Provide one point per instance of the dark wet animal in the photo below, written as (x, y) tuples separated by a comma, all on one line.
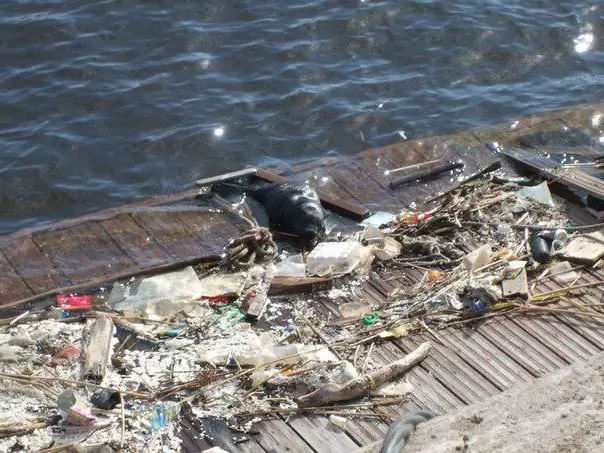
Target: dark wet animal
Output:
[(292, 209), (400, 430)]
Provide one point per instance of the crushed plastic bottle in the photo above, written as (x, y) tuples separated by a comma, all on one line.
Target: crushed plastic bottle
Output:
[(163, 413), (334, 258), (292, 266), (160, 296)]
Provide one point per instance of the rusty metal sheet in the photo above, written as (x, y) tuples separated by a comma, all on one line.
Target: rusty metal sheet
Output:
[(12, 286), (84, 252), (33, 266)]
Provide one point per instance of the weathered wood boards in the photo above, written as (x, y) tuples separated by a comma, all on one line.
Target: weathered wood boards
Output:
[(574, 178)]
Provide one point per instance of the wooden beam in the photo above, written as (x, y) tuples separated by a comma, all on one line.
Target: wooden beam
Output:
[(97, 343)]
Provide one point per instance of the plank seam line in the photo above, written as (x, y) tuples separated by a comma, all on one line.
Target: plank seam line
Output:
[(54, 263), (17, 273), (532, 372), (437, 379), (118, 246)]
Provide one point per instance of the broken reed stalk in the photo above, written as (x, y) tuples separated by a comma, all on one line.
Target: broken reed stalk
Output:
[(9, 430), (31, 379), (363, 385), (293, 410), (558, 292), (566, 311), (318, 333)]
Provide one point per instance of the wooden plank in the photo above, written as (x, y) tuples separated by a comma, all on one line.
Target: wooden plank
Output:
[(172, 235), (573, 178), (431, 392), (486, 368), (320, 436), (468, 385), (83, 251), (588, 329), (424, 173), (214, 229), (276, 436), (33, 266), (134, 240), (508, 369), (97, 344), (541, 352), (508, 131), (516, 349), (362, 187), (12, 286), (562, 340)]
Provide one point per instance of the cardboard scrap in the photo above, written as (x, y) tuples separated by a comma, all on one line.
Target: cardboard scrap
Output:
[(478, 258), (587, 248)]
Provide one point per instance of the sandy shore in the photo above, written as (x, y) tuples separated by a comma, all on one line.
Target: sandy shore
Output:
[(561, 412)]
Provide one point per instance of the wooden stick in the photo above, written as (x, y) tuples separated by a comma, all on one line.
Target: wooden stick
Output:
[(425, 173), (486, 170), (396, 170), (97, 341), (318, 333), (556, 292), (363, 385)]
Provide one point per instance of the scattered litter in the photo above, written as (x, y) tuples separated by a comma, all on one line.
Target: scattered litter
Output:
[(292, 266), (208, 341), (66, 355), (339, 421), (105, 399), (73, 410)]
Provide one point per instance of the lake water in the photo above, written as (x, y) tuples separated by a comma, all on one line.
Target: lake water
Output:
[(112, 101)]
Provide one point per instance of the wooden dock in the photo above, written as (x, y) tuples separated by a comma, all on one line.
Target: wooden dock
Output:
[(466, 365)]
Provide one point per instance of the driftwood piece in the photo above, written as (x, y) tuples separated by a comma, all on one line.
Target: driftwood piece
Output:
[(291, 285), (423, 173), (363, 385), (97, 343)]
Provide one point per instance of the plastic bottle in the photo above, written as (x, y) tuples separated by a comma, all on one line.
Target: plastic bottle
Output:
[(541, 250)]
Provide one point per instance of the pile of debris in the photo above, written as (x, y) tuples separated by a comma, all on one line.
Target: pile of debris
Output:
[(243, 339)]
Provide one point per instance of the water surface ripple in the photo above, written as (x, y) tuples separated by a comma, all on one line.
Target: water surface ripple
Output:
[(111, 101)]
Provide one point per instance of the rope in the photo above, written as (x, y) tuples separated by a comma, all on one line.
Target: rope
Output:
[(594, 226)]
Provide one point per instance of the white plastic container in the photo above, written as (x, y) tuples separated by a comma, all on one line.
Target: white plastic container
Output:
[(334, 258)]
